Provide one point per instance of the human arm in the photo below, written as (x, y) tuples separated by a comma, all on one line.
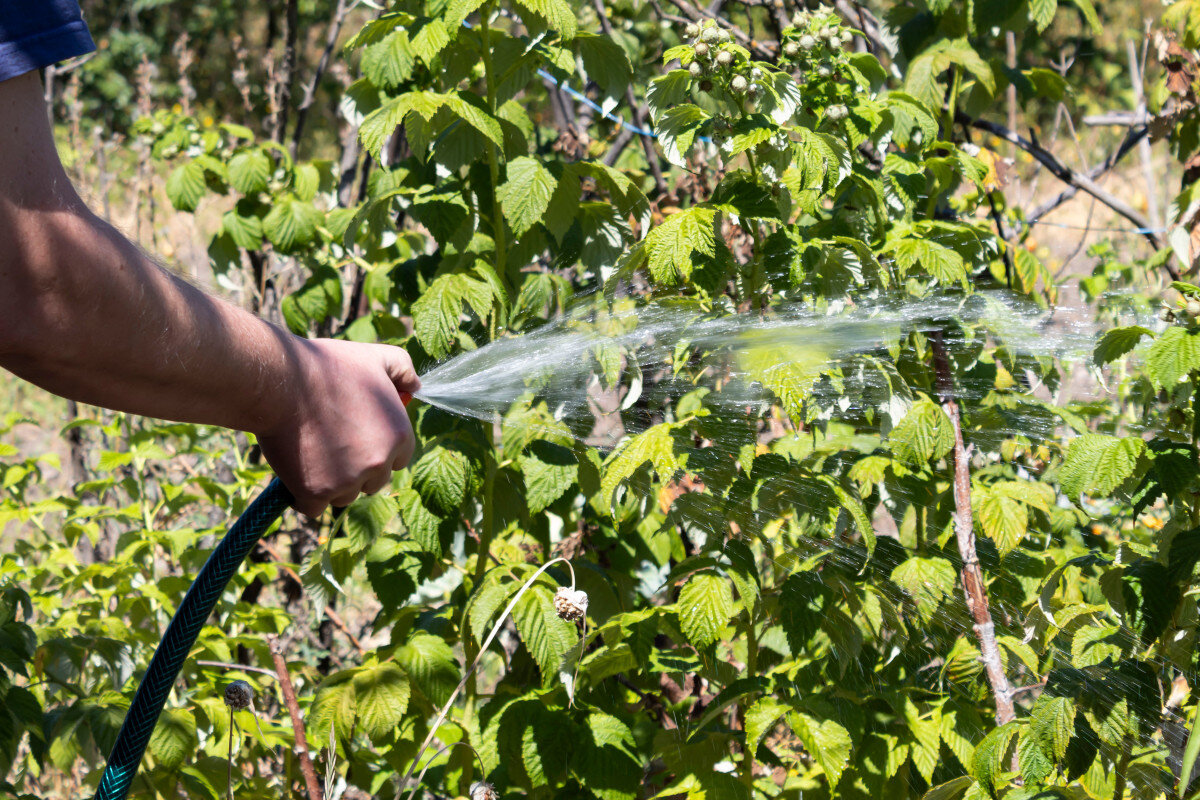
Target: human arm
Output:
[(85, 314)]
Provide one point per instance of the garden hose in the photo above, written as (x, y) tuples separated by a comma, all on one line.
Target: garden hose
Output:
[(181, 634)]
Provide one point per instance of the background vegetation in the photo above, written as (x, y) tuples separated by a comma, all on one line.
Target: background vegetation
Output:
[(975, 580)]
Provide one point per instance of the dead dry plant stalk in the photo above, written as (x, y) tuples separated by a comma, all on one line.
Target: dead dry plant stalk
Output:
[(311, 784), (441, 717), (974, 588)]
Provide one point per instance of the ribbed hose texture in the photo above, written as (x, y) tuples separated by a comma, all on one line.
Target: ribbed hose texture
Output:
[(181, 634)]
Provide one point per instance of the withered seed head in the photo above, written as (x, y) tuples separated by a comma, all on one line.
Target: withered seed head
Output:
[(239, 695), (482, 790), (570, 605)]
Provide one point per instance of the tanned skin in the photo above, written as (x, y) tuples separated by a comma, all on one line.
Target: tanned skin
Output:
[(85, 314)]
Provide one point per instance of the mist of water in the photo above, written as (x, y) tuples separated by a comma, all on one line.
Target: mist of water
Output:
[(563, 362)]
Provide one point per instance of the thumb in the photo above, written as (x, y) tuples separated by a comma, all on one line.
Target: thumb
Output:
[(399, 368)]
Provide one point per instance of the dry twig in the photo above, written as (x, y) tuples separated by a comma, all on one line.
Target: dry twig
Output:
[(293, 707), (974, 588)]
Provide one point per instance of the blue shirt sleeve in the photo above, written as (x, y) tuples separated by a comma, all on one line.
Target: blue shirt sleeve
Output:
[(38, 33)]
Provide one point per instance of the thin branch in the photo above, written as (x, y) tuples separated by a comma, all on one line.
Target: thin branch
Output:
[(1073, 178), (288, 70), (344, 7), (1134, 136), (239, 667), (639, 112), (293, 707), (694, 14), (1124, 119), (334, 617), (974, 588)]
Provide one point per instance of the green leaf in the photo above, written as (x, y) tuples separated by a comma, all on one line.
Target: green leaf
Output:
[(1041, 13), (525, 196), (761, 718), (655, 445), (557, 14), (925, 434), (388, 63), (314, 302), (291, 224), (249, 171), (606, 63), (667, 90), (442, 476), (366, 517), (431, 665), (928, 581), (381, 698), (991, 756), (740, 194), (246, 232), (428, 38), (826, 740), (1116, 342), (1096, 464), (705, 605), (677, 129), (549, 470), (174, 738), (186, 186), (669, 246), (1172, 356), (333, 707), (436, 315), (1002, 518), (941, 263), (422, 523), (547, 637), (950, 790), (1089, 15)]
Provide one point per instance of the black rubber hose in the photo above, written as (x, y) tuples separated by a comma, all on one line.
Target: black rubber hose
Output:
[(181, 634)]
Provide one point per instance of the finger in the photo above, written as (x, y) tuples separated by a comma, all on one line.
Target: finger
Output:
[(377, 481), (404, 450), (344, 499), (310, 506), (400, 368)]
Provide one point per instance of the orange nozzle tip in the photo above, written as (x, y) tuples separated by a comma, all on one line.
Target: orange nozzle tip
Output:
[(405, 398)]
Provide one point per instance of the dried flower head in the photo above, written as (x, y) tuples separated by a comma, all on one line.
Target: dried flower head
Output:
[(701, 49), (570, 605), (239, 695), (482, 790), (724, 58)]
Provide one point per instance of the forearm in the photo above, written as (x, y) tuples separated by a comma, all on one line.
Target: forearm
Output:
[(86, 315)]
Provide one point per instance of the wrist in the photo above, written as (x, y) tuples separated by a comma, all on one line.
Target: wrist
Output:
[(284, 385)]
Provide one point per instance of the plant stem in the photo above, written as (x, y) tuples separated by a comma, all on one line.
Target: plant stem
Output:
[(921, 522), (493, 156), (974, 588), (751, 670), (289, 699)]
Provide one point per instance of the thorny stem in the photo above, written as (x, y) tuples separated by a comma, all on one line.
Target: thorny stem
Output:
[(974, 588), (441, 717), (289, 700), (493, 156)]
